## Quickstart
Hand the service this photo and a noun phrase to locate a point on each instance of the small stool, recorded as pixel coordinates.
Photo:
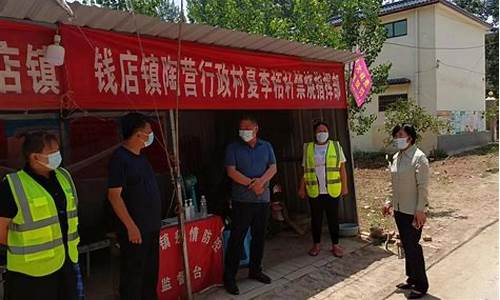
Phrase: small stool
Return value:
(86, 249)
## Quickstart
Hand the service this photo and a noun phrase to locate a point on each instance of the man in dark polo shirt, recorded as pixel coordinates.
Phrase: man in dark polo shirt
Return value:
(250, 163)
(135, 197)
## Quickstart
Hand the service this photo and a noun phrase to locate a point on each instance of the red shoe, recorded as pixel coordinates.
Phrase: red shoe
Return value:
(337, 251)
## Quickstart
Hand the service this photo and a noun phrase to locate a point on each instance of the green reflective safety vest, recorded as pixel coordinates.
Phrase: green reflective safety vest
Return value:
(333, 183)
(34, 245)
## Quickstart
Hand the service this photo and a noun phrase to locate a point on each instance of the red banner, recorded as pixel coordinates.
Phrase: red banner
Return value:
(205, 257)
(108, 70)
(27, 81)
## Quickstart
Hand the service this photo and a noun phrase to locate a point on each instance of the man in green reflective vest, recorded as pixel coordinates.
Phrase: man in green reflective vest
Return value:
(39, 224)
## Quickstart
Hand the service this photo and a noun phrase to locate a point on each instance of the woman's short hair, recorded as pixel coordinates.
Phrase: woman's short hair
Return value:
(319, 123)
(35, 141)
(408, 128)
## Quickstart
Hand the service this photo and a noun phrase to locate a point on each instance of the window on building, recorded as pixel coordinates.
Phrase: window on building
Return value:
(395, 29)
(385, 101)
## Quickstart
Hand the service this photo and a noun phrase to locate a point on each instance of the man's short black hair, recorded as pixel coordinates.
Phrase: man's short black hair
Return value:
(249, 118)
(35, 141)
(409, 129)
(133, 122)
(319, 123)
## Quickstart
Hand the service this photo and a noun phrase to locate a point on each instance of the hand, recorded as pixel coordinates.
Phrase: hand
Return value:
(387, 210)
(420, 219)
(252, 183)
(258, 189)
(134, 234)
(345, 190)
(257, 186)
(302, 193)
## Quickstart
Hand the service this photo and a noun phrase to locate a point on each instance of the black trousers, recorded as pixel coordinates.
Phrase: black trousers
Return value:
(414, 256)
(60, 285)
(244, 216)
(139, 267)
(320, 205)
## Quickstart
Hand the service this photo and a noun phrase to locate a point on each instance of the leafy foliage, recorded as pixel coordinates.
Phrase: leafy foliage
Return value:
(164, 9)
(407, 111)
(308, 21)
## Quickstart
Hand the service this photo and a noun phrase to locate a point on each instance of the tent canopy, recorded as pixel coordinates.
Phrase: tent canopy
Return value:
(118, 60)
(49, 12)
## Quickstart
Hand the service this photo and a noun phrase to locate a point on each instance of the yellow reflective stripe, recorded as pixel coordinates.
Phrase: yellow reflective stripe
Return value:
(21, 197)
(332, 169)
(68, 177)
(22, 250)
(34, 225)
(336, 145)
(311, 182)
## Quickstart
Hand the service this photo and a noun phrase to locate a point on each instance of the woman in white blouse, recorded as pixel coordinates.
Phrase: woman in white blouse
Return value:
(324, 182)
(409, 199)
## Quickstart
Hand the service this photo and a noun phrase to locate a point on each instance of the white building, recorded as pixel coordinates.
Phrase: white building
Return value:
(438, 60)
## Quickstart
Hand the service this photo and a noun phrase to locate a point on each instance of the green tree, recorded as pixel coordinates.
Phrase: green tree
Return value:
(407, 111)
(361, 28)
(299, 20)
(308, 21)
(164, 9)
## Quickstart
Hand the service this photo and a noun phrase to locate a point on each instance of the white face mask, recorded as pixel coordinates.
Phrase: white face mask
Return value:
(401, 143)
(322, 137)
(246, 135)
(54, 161)
(151, 138)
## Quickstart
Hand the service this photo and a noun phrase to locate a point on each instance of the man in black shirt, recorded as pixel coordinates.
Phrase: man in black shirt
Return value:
(41, 152)
(135, 197)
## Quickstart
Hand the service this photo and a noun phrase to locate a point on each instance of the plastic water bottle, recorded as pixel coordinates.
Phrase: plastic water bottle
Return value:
(188, 209)
(203, 206)
(192, 208)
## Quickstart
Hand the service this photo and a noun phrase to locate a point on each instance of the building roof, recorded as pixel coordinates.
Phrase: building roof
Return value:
(403, 5)
(394, 81)
(48, 12)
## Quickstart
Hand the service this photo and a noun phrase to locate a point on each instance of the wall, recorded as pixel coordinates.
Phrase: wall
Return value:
(460, 75)
(408, 61)
(373, 140)
(447, 82)
(461, 79)
(457, 143)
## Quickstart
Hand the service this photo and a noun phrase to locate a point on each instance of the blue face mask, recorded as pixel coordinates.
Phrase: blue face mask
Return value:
(54, 160)
(151, 138)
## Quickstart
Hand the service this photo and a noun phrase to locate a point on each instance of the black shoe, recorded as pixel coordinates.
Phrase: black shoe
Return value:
(405, 286)
(261, 277)
(232, 288)
(415, 295)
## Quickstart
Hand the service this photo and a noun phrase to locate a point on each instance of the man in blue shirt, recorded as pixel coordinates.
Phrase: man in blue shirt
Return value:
(251, 164)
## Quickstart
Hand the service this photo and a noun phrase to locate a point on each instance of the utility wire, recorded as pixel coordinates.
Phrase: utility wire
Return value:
(439, 48)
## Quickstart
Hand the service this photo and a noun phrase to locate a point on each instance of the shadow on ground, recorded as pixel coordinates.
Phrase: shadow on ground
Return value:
(448, 213)
(295, 274)
(327, 276)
